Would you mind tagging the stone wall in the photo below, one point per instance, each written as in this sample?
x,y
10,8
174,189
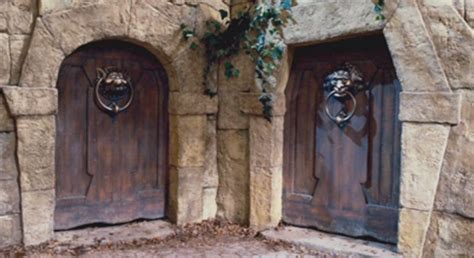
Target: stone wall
x,y
16,24
225,158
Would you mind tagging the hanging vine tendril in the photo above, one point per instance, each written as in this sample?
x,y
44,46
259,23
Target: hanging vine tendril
x,y
259,32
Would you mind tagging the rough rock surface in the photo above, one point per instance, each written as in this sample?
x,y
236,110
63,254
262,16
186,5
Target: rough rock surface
x,y
423,147
454,41
8,166
449,236
233,191
10,230
36,152
4,58
6,121
456,186
412,227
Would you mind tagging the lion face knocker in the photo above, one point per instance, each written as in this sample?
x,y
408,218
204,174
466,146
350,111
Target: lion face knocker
x,y
341,84
113,90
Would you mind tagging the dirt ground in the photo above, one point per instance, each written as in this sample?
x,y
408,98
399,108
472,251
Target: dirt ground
x,y
207,239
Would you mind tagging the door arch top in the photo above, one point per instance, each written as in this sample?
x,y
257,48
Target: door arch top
x,y
57,34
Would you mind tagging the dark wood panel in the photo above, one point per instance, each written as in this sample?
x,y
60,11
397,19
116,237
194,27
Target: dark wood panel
x,y
343,180
111,169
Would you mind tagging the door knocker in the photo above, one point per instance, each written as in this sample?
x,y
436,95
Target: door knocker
x,y
345,82
113,90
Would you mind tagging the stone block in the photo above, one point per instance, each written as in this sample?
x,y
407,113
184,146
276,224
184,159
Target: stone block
x,y
20,16
10,230
42,62
75,27
31,101
48,6
6,121
412,228
209,204
38,216
211,177
230,116
186,195
234,178
265,197
3,16
36,152
430,107
190,74
470,12
249,104
9,197
423,147
449,236
333,20
8,166
18,50
4,59
413,52
266,142
158,23
188,140
454,41
456,185
192,104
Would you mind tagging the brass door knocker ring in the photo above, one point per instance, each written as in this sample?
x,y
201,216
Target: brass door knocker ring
x,y
113,86
342,116
346,81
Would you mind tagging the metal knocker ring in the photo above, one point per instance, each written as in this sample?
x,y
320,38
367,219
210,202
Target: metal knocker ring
x,y
113,86
341,118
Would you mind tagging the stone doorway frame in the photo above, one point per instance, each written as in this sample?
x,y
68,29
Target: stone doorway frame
x,y
33,104
428,109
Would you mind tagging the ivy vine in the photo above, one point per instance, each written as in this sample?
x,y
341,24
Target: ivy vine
x,y
378,9
258,31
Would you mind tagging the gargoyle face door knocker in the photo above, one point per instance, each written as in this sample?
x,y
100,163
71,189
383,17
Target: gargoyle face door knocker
x,y
346,82
113,90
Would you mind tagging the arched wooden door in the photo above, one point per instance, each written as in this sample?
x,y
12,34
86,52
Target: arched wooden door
x,y
343,179
111,168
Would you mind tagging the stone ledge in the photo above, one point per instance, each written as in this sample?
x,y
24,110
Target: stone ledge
x,y
249,104
30,101
117,234
338,245
192,104
433,107
333,20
